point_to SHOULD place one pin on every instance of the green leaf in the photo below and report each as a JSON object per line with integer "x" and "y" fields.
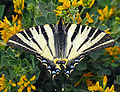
{"x": 51, "y": 18}
{"x": 4, "y": 61}
{"x": 31, "y": 1}
{"x": 78, "y": 90}
{"x": 2, "y": 8}
{"x": 41, "y": 20}
{"x": 33, "y": 62}
{"x": 82, "y": 66}
{"x": 13, "y": 61}
{"x": 96, "y": 65}
{"x": 96, "y": 54}
{"x": 103, "y": 71}
{"x": 115, "y": 65}
{"x": 107, "y": 71}
{"x": 36, "y": 72}
{"x": 10, "y": 52}
{"x": 50, "y": 7}
{"x": 43, "y": 8}
{"x": 118, "y": 79}
{"x": 26, "y": 62}
{"x": 2, "y": 52}
{"x": 47, "y": 1}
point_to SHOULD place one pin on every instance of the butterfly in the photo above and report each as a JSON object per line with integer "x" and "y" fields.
{"x": 61, "y": 44}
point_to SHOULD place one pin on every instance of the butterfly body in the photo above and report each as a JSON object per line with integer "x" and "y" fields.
{"x": 61, "y": 44}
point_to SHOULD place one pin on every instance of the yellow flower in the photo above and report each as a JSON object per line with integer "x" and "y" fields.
{"x": 58, "y": 12}
{"x": 107, "y": 31}
{"x": 18, "y": 6}
{"x": 86, "y": 3}
{"x": 10, "y": 29}
{"x": 110, "y": 90}
{"x": 21, "y": 89}
{"x": 14, "y": 18}
{"x": 3, "y": 83}
{"x": 61, "y": 1}
{"x": 33, "y": 78}
{"x": 113, "y": 51}
{"x": 13, "y": 84}
{"x": 96, "y": 87}
{"x": 76, "y": 84}
{"x": 87, "y": 74}
{"x": 105, "y": 13}
{"x": 24, "y": 82}
{"x": 77, "y": 18}
{"x": 65, "y": 5}
{"x": 5, "y": 24}
{"x": 74, "y": 3}
{"x": 89, "y": 82}
{"x": 60, "y": 8}
{"x": 104, "y": 81}
{"x": 89, "y": 18}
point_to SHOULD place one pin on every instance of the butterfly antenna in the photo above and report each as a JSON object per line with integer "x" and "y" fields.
{"x": 60, "y": 21}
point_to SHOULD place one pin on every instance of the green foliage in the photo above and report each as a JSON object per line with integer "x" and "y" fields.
{"x": 14, "y": 67}
{"x": 2, "y": 7}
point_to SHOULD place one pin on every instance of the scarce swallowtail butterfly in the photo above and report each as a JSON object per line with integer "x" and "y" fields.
{"x": 61, "y": 44}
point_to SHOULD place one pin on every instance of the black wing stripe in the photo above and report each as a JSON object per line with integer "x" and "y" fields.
{"x": 83, "y": 27}
{"x": 37, "y": 29}
{"x": 75, "y": 32}
{"x": 17, "y": 40}
{"x": 70, "y": 33}
{"x": 44, "y": 33}
{"x": 91, "y": 31}
{"x": 104, "y": 40}
{"x": 101, "y": 39}
{"x": 69, "y": 51}
{"x": 36, "y": 43}
{"x": 15, "y": 44}
{"x": 67, "y": 27}
{"x": 96, "y": 34}
{"x": 49, "y": 29}
{"x": 24, "y": 35}
{"x": 28, "y": 31}
{"x": 52, "y": 27}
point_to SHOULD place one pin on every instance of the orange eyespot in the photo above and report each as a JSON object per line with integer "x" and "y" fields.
{"x": 57, "y": 61}
{"x": 64, "y": 61}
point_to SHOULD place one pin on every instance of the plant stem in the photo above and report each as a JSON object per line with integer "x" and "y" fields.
{"x": 82, "y": 10}
{"x": 80, "y": 13}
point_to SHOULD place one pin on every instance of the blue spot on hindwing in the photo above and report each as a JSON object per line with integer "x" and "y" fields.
{"x": 53, "y": 72}
{"x": 68, "y": 72}
{"x": 44, "y": 61}
{"x": 57, "y": 70}
{"x": 49, "y": 67}
{"x": 72, "y": 67}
